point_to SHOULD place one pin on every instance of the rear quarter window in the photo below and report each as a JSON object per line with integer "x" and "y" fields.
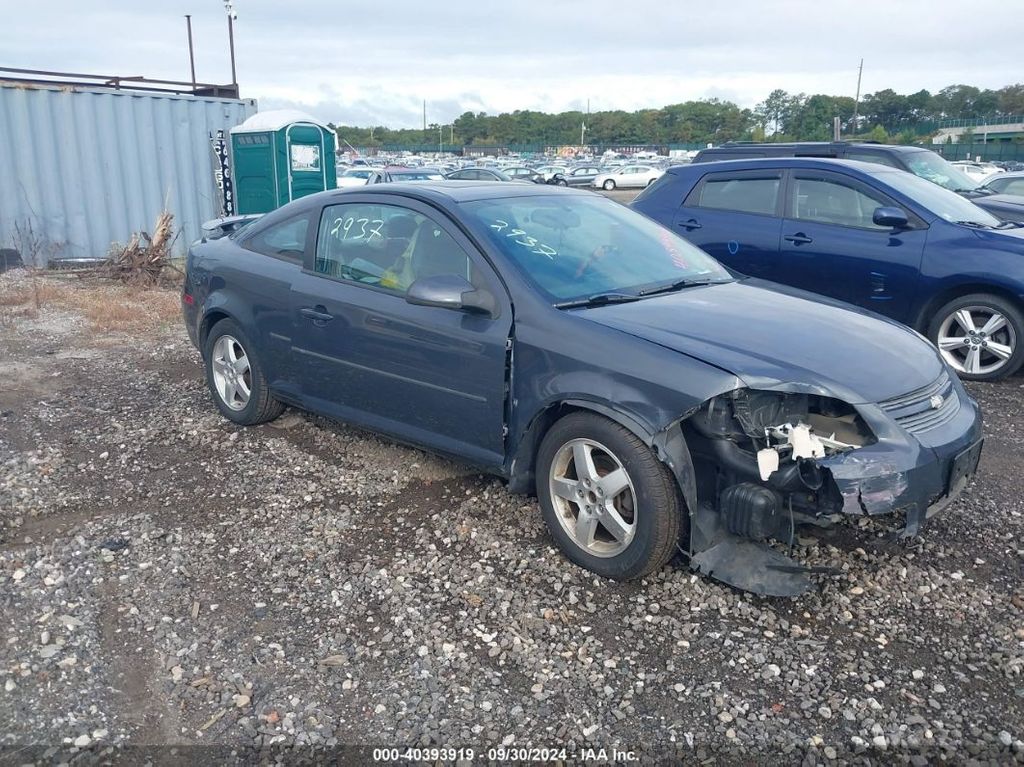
{"x": 286, "y": 239}
{"x": 745, "y": 194}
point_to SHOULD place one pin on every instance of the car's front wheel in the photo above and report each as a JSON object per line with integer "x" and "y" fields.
{"x": 609, "y": 185}
{"x": 980, "y": 336}
{"x": 235, "y": 377}
{"x": 607, "y": 500}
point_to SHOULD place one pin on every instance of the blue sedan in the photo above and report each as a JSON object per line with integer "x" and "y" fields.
{"x": 653, "y": 400}
{"x": 867, "y": 234}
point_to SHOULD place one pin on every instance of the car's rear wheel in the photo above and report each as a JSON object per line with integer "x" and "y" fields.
{"x": 236, "y": 378}
{"x": 980, "y": 335}
{"x": 609, "y": 185}
{"x": 607, "y": 500}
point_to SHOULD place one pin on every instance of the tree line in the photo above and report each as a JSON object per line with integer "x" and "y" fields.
{"x": 884, "y": 115}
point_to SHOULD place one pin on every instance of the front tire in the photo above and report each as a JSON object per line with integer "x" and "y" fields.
{"x": 235, "y": 376}
{"x": 608, "y": 185}
{"x": 981, "y": 335}
{"x": 609, "y": 503}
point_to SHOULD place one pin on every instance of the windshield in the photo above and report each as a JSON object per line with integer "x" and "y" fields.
{"x": 357, "y": 173}
{"x": 942, "y": 202}
{"x": 938, "y": 170}
{"x": 585, "y": 246}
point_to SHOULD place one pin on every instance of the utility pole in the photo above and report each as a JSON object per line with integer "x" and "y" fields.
{"x": 856, "y": 100}
{"x": 229, "y": 6}
{"x": 439, "y": 139}
{"x": 191, "y": 51}
{"x": 424, "y": 116}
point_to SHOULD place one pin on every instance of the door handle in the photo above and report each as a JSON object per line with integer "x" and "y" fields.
{"x": 317, "y": 314}
{"x": 798, "y": 239}
{"x": 690, "y": 225}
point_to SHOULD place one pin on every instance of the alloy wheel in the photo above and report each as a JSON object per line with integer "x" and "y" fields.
{"x": 977, "y": 340}
{"x": 232, "y": 373}
{"x": 593, "y": 497}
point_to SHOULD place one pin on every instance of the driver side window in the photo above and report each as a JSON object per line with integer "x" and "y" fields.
{"x": 831, "y": 202}
{"x": 385, "y": 246}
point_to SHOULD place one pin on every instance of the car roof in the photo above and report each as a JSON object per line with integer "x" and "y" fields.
{"x": 819, "y": 163}
{"x": 744, "y": 146}
{"x": 457, "y": 191}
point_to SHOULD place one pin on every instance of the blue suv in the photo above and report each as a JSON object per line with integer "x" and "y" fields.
{"x": 873, "y": 236}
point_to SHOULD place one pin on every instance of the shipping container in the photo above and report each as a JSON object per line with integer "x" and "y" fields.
{"x": 82, "y": 167}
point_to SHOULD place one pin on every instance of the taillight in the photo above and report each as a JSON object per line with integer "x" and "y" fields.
{"x": 186, "y": 298}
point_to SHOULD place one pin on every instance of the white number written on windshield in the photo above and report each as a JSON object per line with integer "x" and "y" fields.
{"x": 520, "y": 237}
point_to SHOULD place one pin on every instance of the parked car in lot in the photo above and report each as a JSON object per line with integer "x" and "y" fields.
{"x": 415, "y": 174}
{"x": 626, "y": 177}
{"x": 873, "y": 236}
{"x": 361, "y": 176}
{"x": 650, "y": 398}
{"x": 478, "y": 174}
{"x": 976, "y": 171}
{"x": 583, "y": 175}
{"x": 917, "y": 160}
{"x": 550, "y": 171}
{"x": 522, "y": 173}
{"x": 1005, "y": 183}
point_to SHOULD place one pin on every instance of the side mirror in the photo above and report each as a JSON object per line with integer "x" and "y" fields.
{"x": 891, "y": 217}
{"x": 450, "y": 291}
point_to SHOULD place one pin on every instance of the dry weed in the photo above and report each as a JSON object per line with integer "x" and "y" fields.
{"x": 107, "y": 307}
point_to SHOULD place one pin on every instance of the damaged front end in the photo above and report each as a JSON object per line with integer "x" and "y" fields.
{"x": 766, "y": 462}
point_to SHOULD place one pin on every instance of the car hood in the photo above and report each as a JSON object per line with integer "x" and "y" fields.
{"x": 772, "y": 336}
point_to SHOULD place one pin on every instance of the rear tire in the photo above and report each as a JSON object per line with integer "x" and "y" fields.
{"x": 619, "y": 515}
{"x": 608, "y": 185}
{"x": 981, "y": 335}
{"x": 235, "y": 376}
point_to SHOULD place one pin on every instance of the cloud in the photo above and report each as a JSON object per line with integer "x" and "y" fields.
{"x": 366, "y": 63}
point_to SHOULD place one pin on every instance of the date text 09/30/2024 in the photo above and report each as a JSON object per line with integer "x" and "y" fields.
{"x": 504, "y": 754}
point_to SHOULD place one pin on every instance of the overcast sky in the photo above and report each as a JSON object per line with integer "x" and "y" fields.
{"x": 374, "y": 62}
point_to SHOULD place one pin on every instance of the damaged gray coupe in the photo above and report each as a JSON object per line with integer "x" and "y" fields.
{"x": 656, "y": 402}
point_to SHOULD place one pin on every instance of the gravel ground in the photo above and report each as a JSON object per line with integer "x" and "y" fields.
{"x": 167, "y": 577}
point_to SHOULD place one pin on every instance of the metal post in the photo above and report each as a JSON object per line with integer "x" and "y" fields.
{"x": 836, "y": 128}
{"x": 856, "y": 100}
{"x": 439, "y": 140}
{"x": 191, "y": 51}
{"x": 231, "y": 45}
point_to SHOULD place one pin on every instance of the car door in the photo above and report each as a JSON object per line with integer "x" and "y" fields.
{"x": 428, "y": 375}
{"x": 830, "y": 245}
{"x": 631, "y": 176}
{"x": 736, "y": 217}
{"x": 285, "y": 243}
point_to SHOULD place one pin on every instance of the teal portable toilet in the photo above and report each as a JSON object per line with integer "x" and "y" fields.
{"x": 280, "y": 156}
